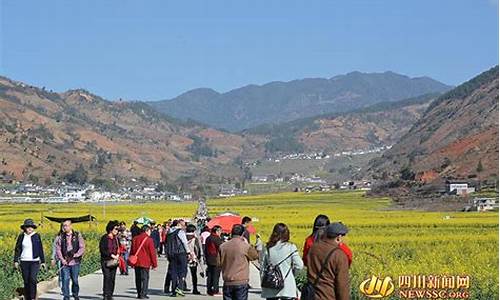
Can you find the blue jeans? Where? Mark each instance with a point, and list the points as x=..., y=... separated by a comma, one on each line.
x=177, y=267
x=235, y=292
x=67, y=273
x=125, y=257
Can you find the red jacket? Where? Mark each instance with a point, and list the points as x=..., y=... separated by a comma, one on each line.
x=146, y=258
x=310, y=241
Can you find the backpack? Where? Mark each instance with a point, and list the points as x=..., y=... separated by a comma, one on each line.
x=174, y=244
x=272, y=278
x=308, y=291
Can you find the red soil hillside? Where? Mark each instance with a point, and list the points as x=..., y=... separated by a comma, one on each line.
x=457, y=137
x=45, y=135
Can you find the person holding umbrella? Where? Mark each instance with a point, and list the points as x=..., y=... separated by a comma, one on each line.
x=28, y=254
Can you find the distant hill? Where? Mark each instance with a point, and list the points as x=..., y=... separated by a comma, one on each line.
x=457, y=137
x=278, y=102
x=46, y=137
x=382, y=124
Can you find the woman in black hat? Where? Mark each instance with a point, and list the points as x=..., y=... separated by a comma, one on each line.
x=28, y=255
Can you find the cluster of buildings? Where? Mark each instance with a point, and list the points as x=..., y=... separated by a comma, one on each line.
x=362, y=152
x=297, y=178
x=231, y=191
x=323, y=155
x=65, y=193
x=308, y=156
x=362, y=185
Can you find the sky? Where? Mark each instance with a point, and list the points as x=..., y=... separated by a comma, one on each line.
x=153, y=50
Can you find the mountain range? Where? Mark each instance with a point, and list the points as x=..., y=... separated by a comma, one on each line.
x=456, y=137
x=381, y=124
x=51, y=136
x=278, y=102
x=47, y=136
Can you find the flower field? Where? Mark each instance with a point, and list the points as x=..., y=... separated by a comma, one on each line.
x=385, y=242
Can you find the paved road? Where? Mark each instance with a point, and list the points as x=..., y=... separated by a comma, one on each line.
x=91, y=286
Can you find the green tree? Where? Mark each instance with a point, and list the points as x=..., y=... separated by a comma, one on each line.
x=78, y=175
x=407, y=174
x=479, y=167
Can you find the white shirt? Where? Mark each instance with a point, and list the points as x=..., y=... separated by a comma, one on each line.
x=27, y=246
x=204, y=236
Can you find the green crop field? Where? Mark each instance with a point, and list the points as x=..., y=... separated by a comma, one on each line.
x=385, y=242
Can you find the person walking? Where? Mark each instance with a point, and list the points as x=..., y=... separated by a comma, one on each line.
x=135, y=230
x=234, y=259
x=280, y=253
x=205, y=233
x=54, y=262
x=178, y=253
x=70, y=248
x=211, y=251
x=28, y=255
x=328, y=268
x=320, y=224
x=110, y=255
x=194, y=245
x=246, y=222
x=155, y=235
x=125, y=239
x=143, y=248
x=163, y=239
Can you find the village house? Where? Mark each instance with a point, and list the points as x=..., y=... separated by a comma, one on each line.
x=6, y=179
x=454, y=187
x=231, y=192
x=485, y=204
x=259, y=178
x=482, y=204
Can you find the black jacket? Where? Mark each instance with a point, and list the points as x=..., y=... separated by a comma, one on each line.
x=211, y=250
x=104, y=247
x=36, y=242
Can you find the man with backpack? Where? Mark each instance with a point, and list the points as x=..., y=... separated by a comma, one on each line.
x=177, y=251
x=70, y=248
x=328, y=267
x=234, y=259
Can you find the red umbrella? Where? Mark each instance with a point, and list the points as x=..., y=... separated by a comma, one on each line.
x=226, y=221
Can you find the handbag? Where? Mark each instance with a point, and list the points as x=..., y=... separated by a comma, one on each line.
x=272, y=278
x=308, y=290
x=111, y=263
x=132, y=259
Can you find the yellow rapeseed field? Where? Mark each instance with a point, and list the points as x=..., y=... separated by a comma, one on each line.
x=385, y=242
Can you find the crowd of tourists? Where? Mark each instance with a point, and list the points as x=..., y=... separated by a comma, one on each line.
x=199, y=250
